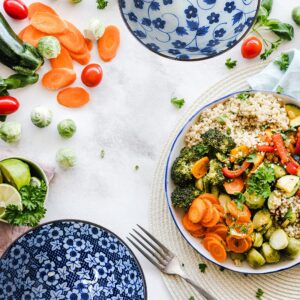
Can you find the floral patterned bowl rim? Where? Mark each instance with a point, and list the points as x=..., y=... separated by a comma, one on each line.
x=190, y=59
x=88, y=223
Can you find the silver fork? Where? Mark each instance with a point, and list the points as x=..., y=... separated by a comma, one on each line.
x=162, y=258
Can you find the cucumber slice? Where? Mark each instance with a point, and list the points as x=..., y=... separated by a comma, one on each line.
x=279, y=171
x=279, y=239
x=292, y=111
x=288, y=184
x=224, y=201
x=295, y=122
x=271, y=255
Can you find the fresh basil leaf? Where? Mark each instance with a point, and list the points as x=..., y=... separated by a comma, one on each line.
x=262, y=16
x=267, y=5
x=284, y=30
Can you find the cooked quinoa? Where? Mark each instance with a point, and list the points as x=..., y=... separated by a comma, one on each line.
x=243, y=119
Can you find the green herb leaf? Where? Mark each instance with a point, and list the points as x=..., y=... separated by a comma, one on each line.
x=259, y=294
x=267, y=4
x=240, y=200
x=279, y=89
x=270, y=50
x=192, y=298
x=283, y=30
x=243, y=96
x=102, y=154
x=177, y=102
x=230, y=64
x=251, y=157
x=283, y=62
x=136, y=168
x=33, y=198
x=202, y=267
x=101, y=4
x=221, y=119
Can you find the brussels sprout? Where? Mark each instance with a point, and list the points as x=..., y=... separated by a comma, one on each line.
x=274, y=200
x=255, y=259
x=296, y=15
x=293, y=248
x=35, y=182
x=66, y=157
x=290, y=216
x=10, y=132
x=41, y=116
x=254, y=201
x=66, y=128
x=49, y=47
x=94, y=29
x=262, y=220
x=237, y=258
x=279, y=239
x=257, y=239
x=269, y=233
x=271, y=255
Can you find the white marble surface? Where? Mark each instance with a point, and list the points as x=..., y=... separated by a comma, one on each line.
x=129, y=116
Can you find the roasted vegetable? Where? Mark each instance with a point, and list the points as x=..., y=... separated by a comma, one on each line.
x=279, y=239
x=22, y=58
x=255, y=259
x=182, y=197
x=271, y=255
x=293, y=248
x=262, y=220
x=218, y=141
x=215, y=175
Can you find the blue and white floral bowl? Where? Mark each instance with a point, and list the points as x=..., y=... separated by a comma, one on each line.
x=189, y=29
x=73, y=260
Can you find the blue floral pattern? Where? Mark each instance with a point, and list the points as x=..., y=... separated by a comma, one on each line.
x=70, y=260
x=199, y=28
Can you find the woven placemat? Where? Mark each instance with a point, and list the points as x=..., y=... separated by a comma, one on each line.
x=222, y=284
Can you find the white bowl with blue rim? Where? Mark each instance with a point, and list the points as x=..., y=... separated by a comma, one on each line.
x=70, y=259
x=177, y=214
x=189, y=30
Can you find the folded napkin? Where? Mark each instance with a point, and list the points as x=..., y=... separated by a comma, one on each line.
x=9, y=233
x=271, y=78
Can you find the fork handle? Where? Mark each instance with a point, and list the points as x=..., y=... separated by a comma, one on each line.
x=199, y=289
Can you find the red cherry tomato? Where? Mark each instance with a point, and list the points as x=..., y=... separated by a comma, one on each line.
x=16, y=9
x=8, y=105
x=251, y=47
x=92, y=75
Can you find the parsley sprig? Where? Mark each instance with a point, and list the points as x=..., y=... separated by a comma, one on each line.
x=230, y=64
x=33, y=210
x=259, y=294
x=202, y=267
x=101, y=4
x=283, y=62
x=177, y=102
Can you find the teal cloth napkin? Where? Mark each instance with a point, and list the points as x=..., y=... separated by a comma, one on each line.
x=272, y=78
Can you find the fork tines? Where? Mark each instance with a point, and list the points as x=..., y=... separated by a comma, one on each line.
x=151, y=248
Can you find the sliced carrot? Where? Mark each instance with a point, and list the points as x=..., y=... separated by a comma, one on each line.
x=220, y=209
x=214, y=220
x=200, y=167
x=81, y=58
x=58, y=78
x=39, y=7
x=63, y=60
x=72, y=39
x=190, y=226
x=73, y=97
x=241, y=229
x=213, y=235
x=89, y=44
x=199, y=233
x=235, y=186
x=109, y=43
x=32, y=36
x=218, y=252
x=238, y=245
x=212, y=198
x=219, y=229
x=239, y=152
x=208, y=239
x=20, y=34
x=197, y=210
x=230, y=219
x=48, y=23
x=242, y=214
x=208, y=212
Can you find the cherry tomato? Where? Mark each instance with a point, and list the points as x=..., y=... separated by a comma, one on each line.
x=8, y=105
x=16, y=9
x=251, y=47
x=92, y=75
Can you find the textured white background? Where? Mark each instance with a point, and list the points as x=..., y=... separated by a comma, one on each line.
x=129, y=116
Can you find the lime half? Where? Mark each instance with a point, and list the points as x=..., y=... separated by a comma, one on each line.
x=9, y=196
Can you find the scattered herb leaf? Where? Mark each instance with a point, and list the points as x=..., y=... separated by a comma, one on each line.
x=136, y=168
x=243, y=96
x=259, y=294
x=280, y=89
x=240, y=200
x=102, y=154
x=221, y=119
x=202, y=267
x=251, y=157
x=177, y=102
x=230, y=64
x=192, y=298
x=101, y=4
x=283, y=62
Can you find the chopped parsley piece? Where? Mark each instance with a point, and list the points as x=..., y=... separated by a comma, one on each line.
x=136, y=168
x=251, y=158
x=228, y=131
x=102, y=154
x=243, y=96
x=259, y=294
x=192, y=298
x=101, y=4
x=230, y=64
x=202, y=267
x=280, y=89
x=283, y=62
x=177, y=102
x=240, y=200
x=221, y=119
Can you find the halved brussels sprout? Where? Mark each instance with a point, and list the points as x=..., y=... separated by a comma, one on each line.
x=262, y=220
x=279, y=239
x=293, y=248
x=274, y=200
x=257, y=239
x=269, y=233
x=254, y=201
x=271, y=255
x=255, y=259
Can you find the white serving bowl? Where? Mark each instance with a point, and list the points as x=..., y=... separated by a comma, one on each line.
x=177, y=214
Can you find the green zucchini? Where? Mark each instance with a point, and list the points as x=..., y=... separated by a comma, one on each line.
x=22, y=58
x=292, y=110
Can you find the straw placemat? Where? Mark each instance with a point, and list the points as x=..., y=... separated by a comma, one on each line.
x=225, y=284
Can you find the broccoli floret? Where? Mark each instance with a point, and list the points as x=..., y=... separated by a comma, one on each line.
x=217, y=140
x=182, y=197
x=215, y=175
x=181, y=172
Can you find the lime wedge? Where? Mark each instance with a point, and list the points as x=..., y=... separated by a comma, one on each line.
x=15, y=172
x=8, y=196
